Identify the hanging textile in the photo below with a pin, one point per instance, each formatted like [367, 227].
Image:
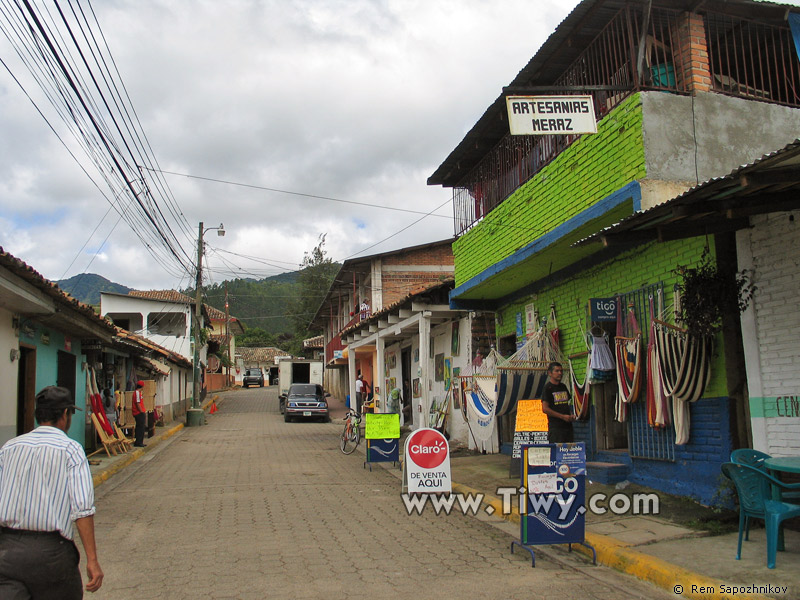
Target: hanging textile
[555, 334]
[97, 402]
[627, 347]
[685, 365]
[657, 401]
[602, 359]
[580, 391]
[522, 376]
[480, 416]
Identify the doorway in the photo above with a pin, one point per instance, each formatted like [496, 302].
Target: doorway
[611, 434]
[65, 374]
[405, 376]
[26, 390]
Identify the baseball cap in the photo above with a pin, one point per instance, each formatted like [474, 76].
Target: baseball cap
[140, 383]
[56, 398]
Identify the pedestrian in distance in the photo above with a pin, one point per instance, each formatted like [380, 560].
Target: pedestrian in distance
[45, 486]
[557, 406]
[139, 415]
[359, 391]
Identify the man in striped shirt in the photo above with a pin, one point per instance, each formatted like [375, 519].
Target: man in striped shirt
[45, 485]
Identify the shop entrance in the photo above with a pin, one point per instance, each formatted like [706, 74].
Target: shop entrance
[611, 434]
[26, 390]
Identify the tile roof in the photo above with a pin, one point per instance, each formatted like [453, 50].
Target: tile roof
[36, 279]
[260, 355]
[126, 336]
[163, 295]
[314, 342]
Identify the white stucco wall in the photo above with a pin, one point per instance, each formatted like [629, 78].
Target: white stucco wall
[8, 376]
[771, 331]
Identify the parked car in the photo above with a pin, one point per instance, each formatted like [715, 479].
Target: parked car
[304, 401]
[253, 377]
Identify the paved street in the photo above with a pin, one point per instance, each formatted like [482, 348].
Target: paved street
[252, 507]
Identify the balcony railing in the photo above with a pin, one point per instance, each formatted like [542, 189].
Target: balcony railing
[746, 59]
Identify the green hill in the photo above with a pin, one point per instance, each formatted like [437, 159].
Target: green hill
[86, 287]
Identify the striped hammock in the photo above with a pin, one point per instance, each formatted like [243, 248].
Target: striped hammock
[685, 367]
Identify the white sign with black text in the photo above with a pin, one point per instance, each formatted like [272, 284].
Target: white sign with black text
[551, 115]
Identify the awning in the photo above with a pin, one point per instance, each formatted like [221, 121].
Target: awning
[545, 255]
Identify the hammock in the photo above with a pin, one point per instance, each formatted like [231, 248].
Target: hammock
[685, 366]
[580, 391]
[657, 401]
[628, 364]
[97, 402]
[481, 416]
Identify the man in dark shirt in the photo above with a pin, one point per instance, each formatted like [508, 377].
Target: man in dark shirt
[557, 406]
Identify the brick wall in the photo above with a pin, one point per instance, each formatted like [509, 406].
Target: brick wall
[593, 167]
[691, 53]
[697, 464]
[773, 342]
[397, 281]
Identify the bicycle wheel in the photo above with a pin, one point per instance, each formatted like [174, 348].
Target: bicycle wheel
[349, 440]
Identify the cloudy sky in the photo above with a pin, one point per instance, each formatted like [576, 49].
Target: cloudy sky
[357, 100]
[354, 99]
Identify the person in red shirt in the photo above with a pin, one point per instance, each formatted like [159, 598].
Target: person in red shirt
[139, 415]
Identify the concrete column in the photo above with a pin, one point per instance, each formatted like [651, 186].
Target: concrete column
[752, 358]
[351, 374]
[380, 380]
[423, 406]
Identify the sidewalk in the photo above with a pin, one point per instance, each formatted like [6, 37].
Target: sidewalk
[103, 466]
[653, 548]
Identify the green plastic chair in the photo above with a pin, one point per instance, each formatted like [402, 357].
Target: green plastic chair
[754, 488]
[756, 458]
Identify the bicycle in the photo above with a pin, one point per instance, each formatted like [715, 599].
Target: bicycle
[351, 435]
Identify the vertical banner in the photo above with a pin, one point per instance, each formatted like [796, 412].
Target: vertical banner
[554, 476]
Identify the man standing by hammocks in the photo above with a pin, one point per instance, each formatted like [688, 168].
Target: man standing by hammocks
[45, 486]
[139, 415]
[557, 406]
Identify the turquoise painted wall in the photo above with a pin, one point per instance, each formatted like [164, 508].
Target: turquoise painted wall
[48, 342]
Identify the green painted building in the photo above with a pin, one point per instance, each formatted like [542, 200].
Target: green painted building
[679, 99]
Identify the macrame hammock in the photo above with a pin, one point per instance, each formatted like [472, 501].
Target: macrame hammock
[684, 362]
[498, 384]
[628, 352]
[581, 392]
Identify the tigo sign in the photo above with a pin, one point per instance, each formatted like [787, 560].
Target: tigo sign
[427, 462]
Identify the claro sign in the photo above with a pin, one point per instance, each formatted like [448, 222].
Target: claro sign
[427, 463]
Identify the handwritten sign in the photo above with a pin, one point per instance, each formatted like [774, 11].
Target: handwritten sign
[382, 426]
[530, 416]
[542, 483]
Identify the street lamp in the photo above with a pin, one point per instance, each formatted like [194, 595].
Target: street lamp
[195, 415]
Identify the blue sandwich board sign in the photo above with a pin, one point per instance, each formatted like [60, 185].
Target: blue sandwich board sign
[554, 484]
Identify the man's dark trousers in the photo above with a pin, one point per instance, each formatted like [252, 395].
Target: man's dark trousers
[38, 566]
[141, 425]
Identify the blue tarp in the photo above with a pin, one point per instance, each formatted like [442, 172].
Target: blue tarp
[794, 23]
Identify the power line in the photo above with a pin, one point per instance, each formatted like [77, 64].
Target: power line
[304, 195]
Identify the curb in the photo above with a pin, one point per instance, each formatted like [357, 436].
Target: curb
[112, 470]
[618, 555]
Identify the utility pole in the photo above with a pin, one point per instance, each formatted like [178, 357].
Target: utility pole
[228, 331]
[195, 415]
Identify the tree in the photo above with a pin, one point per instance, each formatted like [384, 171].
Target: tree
[316, 275]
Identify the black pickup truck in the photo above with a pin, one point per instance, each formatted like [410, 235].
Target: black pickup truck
[253, 377]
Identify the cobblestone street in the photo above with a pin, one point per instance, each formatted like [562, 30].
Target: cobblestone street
[252, 507]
